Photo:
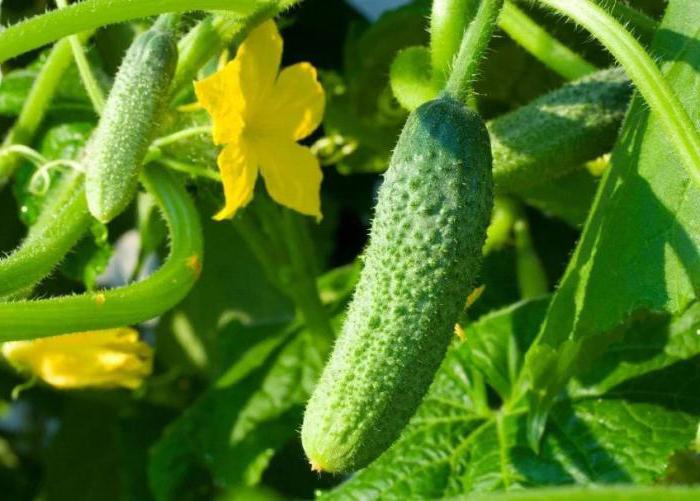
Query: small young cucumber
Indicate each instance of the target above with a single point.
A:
(118, 145)
(423, 254)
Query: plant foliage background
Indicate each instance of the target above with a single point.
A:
(219, 418)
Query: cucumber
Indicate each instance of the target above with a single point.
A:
(119, 144)
(423, 254)
(558, 132)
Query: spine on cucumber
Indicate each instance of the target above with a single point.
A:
(119, 144)
(422, 257)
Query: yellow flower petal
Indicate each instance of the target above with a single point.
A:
(239, 172)
(295, 107)
(292, 174)
(260, 116)
(259, 56)
(105, 359)
(221, 95)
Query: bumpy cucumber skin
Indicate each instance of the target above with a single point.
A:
(422, 257)
(117, 147)
(559, 131)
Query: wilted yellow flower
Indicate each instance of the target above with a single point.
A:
(104, 359)
(260, 115)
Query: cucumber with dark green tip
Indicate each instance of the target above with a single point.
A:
(421, 261)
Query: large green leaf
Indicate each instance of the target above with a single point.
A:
(639, 249)
(456, 444)
(628, 493)
(231, 432)
(649, 342)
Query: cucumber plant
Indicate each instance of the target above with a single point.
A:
(511, 306)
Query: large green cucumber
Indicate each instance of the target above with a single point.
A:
(119, 144)
(423, 255)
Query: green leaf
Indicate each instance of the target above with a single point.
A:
(498, 342)
(254, 407)
(456, 445)
(651, 341)
(63, 141)
(232, 294)
(639, 249)
(626, 493)
(234, 429)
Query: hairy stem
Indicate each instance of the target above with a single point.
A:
(125, 305)
(644, 74)
(471, 50)
(305, 293)
(448, 21)
(288, 244)
(190, 169)
(92, 87)
(248, 228)
(91, 14)
(63, 221)
(642, 24)
(535, 39)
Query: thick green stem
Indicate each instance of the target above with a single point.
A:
(642, 24)
(91, 14)
(126, 305)
(644, 74)
(63, 221)
(34, 109)
(288, 246)
(448, 21)
(474, 43)
(92, 87)
(305, 292)
(550, 51)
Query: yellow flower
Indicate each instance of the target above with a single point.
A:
(104, 359)
(260, 113)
